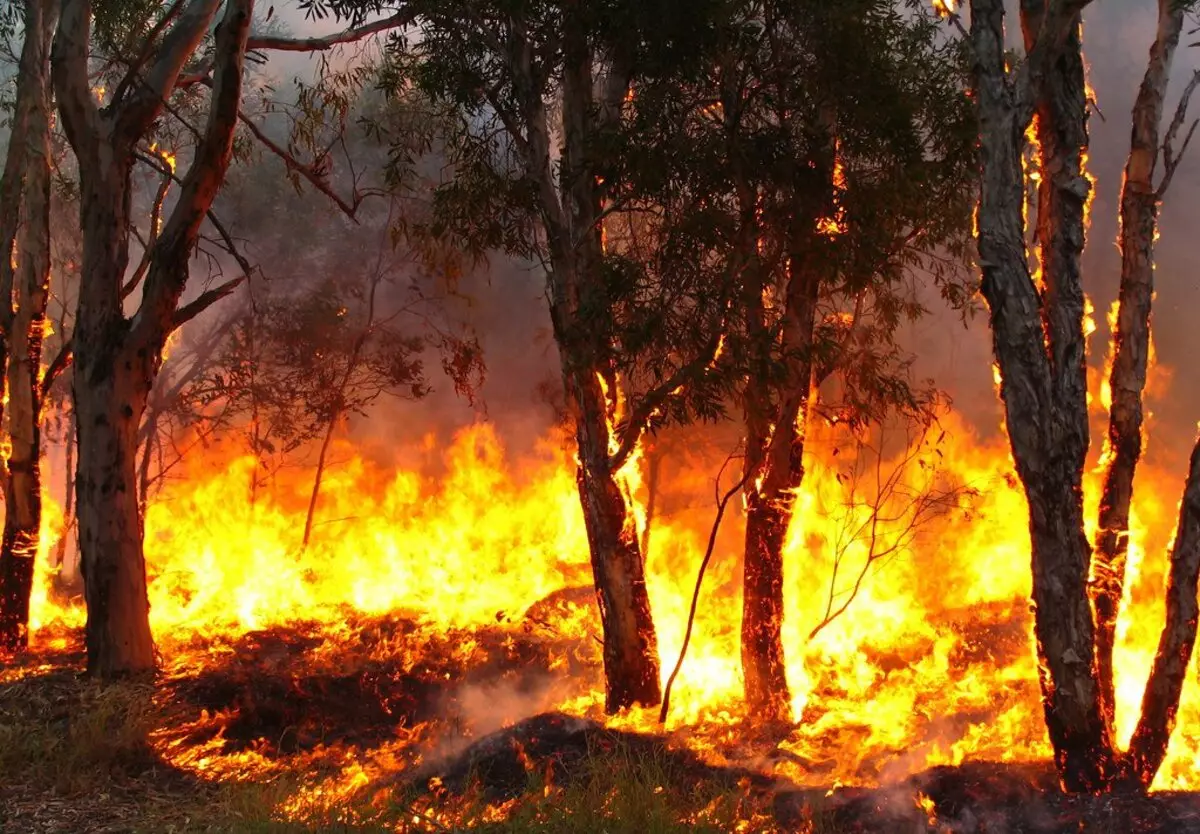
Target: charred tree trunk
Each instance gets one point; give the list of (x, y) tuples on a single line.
[(1038, 344), (653, 458), (770, 497), (22, 482), (1148, 747), (1127, 379), (60, 549)]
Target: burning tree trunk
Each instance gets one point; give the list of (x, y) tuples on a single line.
[(1127, 378), (117, 359), (774, 464), (23, 328), (618, 564), (1039, 347), (1148, 747)]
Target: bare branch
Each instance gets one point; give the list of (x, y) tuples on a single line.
[(399, 20), (722, 503), (1171, 158), (205, 300), (310, 172), (64, 360)]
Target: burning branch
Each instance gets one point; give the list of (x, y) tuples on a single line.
[(722, 503), (895, 514)]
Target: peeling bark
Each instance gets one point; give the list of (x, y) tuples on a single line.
[(23, 331), (1127, 379), (1038, 344)]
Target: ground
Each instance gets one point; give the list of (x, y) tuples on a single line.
[(380, 725)]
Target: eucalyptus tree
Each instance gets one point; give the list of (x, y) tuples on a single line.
[(1040, 347), (169, 51)]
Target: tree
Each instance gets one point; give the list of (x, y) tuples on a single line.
[(827, 148), (25, 194), (1039, 345), (118, 357), (542, 91)]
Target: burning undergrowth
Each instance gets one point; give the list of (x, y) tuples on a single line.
[(385, 724), (445, 598)]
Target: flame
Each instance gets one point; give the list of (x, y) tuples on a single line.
[(932, 663), (835, 225), (945, 8)]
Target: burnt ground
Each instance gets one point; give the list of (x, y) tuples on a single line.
[(458, 713)]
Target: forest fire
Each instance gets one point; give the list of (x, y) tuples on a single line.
[(563, 435), (930, 664)]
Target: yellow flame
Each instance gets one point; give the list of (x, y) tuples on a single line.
[(932, 663)]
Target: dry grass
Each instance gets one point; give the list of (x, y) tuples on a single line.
[(79, 757)]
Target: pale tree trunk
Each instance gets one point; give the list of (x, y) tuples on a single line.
[(24, 331), (1127, 380), (618, 564), (117, 359), (1038, 344)]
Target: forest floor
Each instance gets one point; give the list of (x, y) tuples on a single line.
[(381, 726)]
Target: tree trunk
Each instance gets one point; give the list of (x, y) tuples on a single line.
[(618, 566), (22, 482), (1039, 347), (580, 310), (110, 395), (60, 548), (771, 496), (765, 674), (1160, 702), (117, 359), (1127, 378)]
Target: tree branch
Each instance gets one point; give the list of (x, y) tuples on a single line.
[(69, 63), (60, 363), (657, 397), (309, 172), (205, 300), (1171, 159), (399, 20), (142, 106), (168, 272)]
